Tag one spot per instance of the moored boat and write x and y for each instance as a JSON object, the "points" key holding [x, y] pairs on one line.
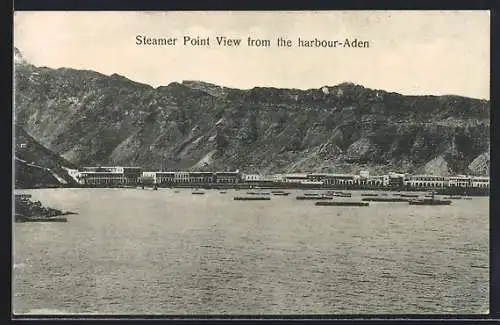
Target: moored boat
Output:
{"points": [[281, 193], [385, 199], [314, 197], [346, 203], [408, 195], [343, 194], [369, 194], [429, 202], [251, 198], [339, 194]]}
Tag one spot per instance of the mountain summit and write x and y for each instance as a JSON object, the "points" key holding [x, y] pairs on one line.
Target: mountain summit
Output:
{"points": [[93, 119]]}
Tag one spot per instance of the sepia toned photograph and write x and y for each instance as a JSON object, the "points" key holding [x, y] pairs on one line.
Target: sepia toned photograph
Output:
{"points": [[251, 163]]}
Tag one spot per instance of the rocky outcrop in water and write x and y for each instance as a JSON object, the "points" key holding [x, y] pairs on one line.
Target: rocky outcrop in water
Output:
{"points": [[93, 119], [29, 211]]}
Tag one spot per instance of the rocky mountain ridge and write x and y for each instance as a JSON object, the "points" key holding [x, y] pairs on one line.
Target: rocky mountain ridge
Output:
{"points": [[35, 165], [93, 119]]}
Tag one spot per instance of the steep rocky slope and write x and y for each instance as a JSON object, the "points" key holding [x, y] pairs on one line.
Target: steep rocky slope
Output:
{"points": [[36, 165], [93, 119]]}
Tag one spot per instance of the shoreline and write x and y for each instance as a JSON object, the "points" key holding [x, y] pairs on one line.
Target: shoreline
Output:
{"points": [[463, 191], [28, 211]]}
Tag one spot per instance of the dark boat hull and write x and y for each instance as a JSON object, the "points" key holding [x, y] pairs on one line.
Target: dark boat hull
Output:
{"points": [[384, 199], [348, 204], [314, 198], [429, 202], [339, 194], [252, 198]]}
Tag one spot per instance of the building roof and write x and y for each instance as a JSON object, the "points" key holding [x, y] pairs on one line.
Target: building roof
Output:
{"points": [[295, 175], [101, 172], [331, 175]]}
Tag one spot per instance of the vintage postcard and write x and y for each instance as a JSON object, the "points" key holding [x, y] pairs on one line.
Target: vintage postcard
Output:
{"points": [[251, 163]]}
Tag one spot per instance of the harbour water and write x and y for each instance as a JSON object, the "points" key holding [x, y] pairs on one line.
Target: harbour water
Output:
{"points": [[135, 251]]}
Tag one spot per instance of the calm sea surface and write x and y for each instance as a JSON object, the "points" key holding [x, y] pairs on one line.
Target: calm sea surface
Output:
{"points": [[134, 251]]}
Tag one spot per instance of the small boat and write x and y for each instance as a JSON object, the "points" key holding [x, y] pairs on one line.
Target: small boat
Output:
{"points": [[343, 194], [251, 198], [198, 193], [385, 199], [369, 194], [347, 203], [281, 193], [222, 192], [314, 197], [312, 194], [258, 193], [409, 195], [339, 194], [429, 202], [451, 197], [277, 191]]}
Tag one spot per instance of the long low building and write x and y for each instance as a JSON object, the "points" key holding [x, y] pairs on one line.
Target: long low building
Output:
{"points": [[480, 182], [392, 180], [227, 177], [179, 177], [109, 176], [426, 181], [432, 181], [332, 179]]}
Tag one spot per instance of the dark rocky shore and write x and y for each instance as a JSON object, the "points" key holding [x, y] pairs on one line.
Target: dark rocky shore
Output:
{"points": [[29, 211]]}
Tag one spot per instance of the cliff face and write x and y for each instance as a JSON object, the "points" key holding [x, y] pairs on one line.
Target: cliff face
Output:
{"points": [[93, 119]]}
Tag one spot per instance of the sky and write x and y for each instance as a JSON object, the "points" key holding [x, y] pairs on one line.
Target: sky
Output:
{"points": [[410, 52]]}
